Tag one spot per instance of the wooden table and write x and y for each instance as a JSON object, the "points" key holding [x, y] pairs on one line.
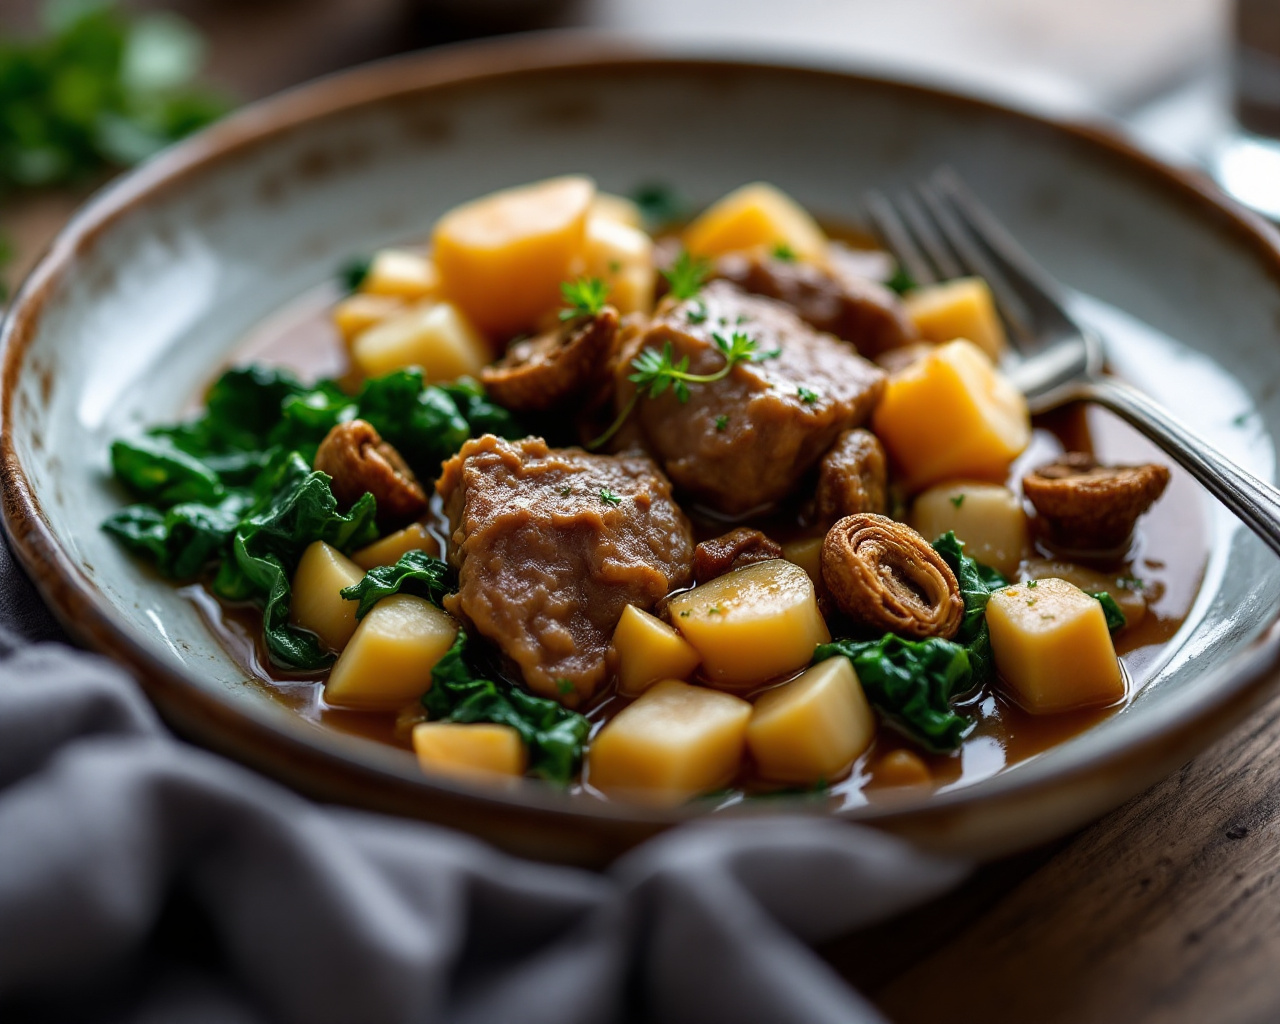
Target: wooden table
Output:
{"points": [[1162, 911]]}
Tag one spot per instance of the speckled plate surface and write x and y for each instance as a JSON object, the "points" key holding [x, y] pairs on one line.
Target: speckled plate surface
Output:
{"points": [[152, 286]]}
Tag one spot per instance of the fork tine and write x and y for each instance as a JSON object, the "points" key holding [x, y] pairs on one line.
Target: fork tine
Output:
{"points": [[1040, 295], [1009, 304], [927, 234], [894, 233]]}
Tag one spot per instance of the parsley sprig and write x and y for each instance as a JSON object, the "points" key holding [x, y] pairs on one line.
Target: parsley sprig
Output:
{"points": [[584, 297], [655, 372], [686, 276]]}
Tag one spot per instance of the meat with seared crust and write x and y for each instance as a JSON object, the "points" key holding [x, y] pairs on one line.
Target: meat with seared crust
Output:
{"points": [[358, 460], [853, 477], [1088, 506], [733, 550], [856, 309], [551, 545], [538, 373], [745, 440]]}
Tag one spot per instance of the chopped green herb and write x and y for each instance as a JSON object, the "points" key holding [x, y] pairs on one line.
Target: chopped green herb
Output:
{"points": [[685, 614], [901, 281], [351, 275], [956, 500], [714, 610], [615, 267], [1240, 419], [583, 298], [1111, 609], [784, 252], [742, 318], [807, 395], [564, 685], [686, 276], [697, 313], [1032, 583], [609, 498], [566, 491], [722, 422], [1130, 583]]}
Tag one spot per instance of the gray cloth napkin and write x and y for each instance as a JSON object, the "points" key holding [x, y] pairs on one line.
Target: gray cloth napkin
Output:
{"points": [[145, 880]]}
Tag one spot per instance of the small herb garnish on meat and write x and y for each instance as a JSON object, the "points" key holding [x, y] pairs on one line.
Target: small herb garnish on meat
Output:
{"points": [[1130, 583], [686, 276], [564, 685], [583, 298], [807, 395], [656, 371], [1032, 583], [566, 491], [956, 500], [415, 572], [784, 252], [609, 498], [722, 422], [697, 313]]}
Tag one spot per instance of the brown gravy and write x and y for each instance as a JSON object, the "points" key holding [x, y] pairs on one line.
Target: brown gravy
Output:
{"points": [[1169, 555]]}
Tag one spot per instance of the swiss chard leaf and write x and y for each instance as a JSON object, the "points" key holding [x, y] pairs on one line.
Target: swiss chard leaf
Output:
{"points": [[153, 467], [422, 423], [482, 415], [912, 683], [415, 571], [182, 542], [1115, 616], [554, 735], [977, 583]]}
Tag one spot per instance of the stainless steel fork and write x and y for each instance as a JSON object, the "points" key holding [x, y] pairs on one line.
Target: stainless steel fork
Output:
{"points": [[939, 230]]}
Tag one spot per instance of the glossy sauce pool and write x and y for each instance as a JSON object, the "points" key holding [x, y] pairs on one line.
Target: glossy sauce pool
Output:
{"points": [[1168, 556]]}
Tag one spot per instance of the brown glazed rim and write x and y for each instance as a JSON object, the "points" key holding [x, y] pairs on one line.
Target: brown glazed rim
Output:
{"points": [[285, 746]]}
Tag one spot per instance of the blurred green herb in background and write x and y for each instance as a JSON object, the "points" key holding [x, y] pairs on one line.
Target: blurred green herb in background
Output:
{"points": [[96, 91]]}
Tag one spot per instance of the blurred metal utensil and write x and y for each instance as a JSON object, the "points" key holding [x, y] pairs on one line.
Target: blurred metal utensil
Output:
{"points": [[939, 230]]}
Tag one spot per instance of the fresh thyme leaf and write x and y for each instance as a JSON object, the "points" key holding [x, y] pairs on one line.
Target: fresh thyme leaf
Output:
{"points": [[609, 498], [686, 276], [566, 491], [697, 313], [807, 395], [956, 500], [584, 297], [784, 252], [722, 422], [564, 685]]}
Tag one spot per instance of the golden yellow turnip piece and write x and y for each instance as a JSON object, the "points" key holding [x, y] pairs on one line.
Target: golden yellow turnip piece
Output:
{"points": [[753, 216], [900, 768], [618, 209], [403, 274], [989, 519], [963, 308], [315, 602], [952, 415], [435, 336], [648, 650], [1052, 647], [389, 659], [387, 551], [475, 751], [357, 313], [621, 257], [674, 742], [503, 257], [752, 624], [813, 728], [806, 553]]}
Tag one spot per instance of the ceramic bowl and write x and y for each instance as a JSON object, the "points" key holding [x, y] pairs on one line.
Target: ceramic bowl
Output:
{"points": [[151, 287]]}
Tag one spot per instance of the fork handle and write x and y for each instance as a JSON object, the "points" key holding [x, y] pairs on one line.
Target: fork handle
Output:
{"points": [[1256, 503]]}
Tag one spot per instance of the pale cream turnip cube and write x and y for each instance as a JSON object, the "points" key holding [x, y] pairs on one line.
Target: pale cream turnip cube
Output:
{"points": [[989, 519], [315, 602]]}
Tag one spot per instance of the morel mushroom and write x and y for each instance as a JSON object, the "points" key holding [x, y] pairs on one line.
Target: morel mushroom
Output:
{"points": [[357, 458], [852, 478], [885, 575], [540, 372], [735, 549], [1092, 507]]}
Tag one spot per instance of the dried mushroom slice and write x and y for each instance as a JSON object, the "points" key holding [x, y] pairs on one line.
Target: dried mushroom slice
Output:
{"points": [[883, 574], [537, 373], [1088, 506], [357, 458], [853, 477], [735, 549]]}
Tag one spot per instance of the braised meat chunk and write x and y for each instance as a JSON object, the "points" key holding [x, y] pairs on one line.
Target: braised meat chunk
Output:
{"points": [[1088, 506], [744, 439], [359, 460], [853, 477], [733, 550], [551, 545], [538, 373], [834, 300]]}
